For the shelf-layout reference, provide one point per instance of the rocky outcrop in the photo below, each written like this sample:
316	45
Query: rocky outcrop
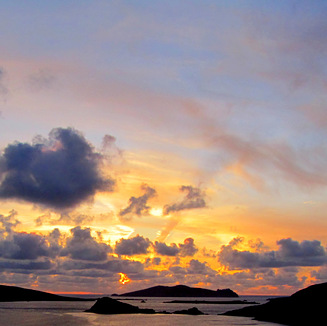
305	307
180	291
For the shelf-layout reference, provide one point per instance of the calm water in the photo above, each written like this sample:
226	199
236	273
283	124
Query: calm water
72	314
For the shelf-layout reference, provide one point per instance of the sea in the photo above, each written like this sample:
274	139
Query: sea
72	313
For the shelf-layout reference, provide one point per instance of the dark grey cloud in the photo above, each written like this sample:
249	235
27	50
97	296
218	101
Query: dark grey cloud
195	198
133	246
84	247
60	172
138	205
306	249
24	246
187	248
196	267
290	253
26	266
162	249
55	240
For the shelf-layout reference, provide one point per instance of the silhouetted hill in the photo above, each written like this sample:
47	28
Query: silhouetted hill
179	291
14	293
305	307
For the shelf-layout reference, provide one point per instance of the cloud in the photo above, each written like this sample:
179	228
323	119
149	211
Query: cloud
109	146
194	270
26	266
196	267
187	248
162	249
40	80
133	246
254	160
113	266
61	172
75	218
3	87
290	249
193	199
290	253
84	247
138	205
8	223
24	246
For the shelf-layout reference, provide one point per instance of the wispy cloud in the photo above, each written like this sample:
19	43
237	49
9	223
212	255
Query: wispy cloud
194	198
138	205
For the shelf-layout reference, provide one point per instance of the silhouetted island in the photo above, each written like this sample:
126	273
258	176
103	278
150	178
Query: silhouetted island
213	302
14	293
179	291
192	311
305	307
109	306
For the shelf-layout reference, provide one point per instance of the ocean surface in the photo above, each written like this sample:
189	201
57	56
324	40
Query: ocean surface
42	313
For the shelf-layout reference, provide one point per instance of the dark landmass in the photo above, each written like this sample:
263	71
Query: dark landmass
305	307
109	306
179	291
14	293
131	299
212	302
192	311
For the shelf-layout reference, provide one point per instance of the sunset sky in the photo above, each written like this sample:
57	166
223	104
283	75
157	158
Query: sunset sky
163	142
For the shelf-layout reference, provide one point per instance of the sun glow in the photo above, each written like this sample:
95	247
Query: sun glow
124	278
156	211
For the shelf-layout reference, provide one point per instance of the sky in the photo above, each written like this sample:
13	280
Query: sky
163	142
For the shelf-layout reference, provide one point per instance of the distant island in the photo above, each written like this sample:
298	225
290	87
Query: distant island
213	302
179	291
109	306
14	293
305	307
